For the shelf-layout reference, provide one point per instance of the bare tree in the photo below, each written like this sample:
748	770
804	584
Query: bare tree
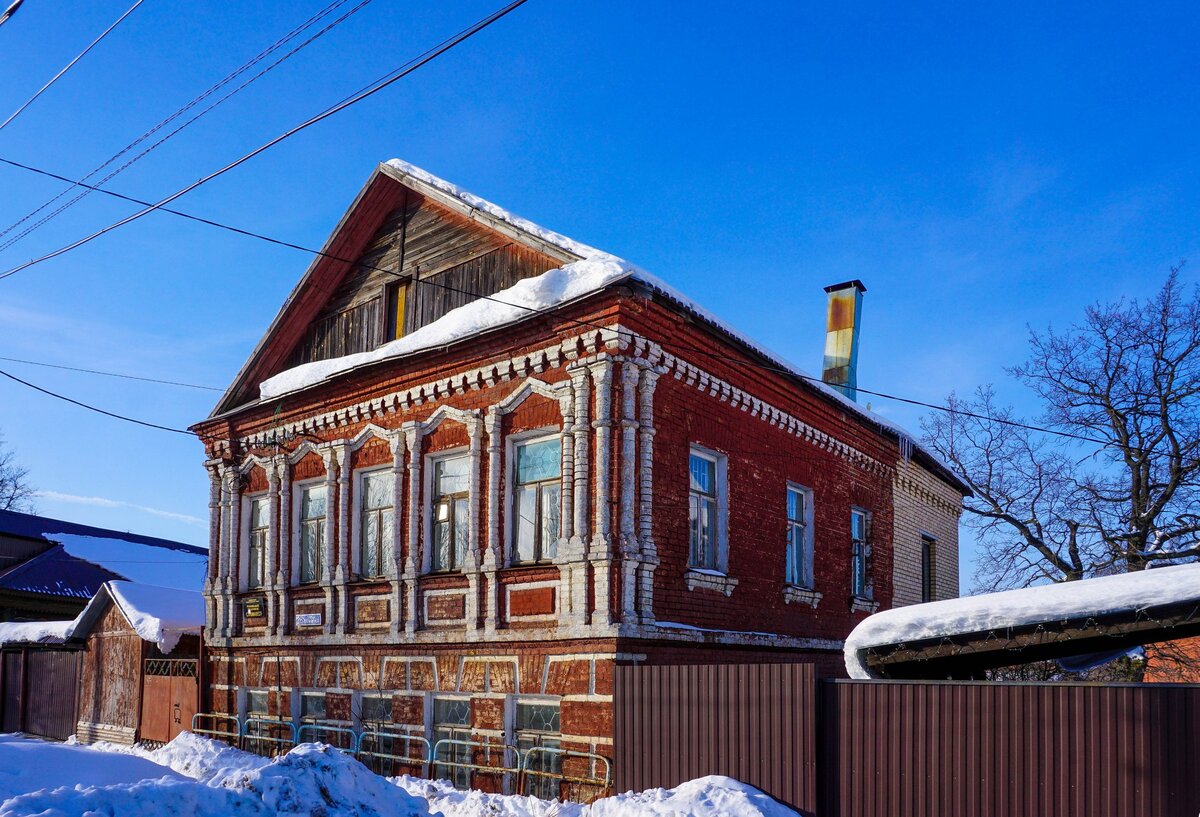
1122	493
16	494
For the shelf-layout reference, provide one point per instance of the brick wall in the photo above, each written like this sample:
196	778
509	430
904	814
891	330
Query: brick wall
925	507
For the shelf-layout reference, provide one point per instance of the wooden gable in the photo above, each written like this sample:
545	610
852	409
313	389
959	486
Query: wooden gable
404	255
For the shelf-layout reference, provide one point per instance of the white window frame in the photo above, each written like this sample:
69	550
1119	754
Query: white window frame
510	491
867	589
721	462
298	489
427	505
808	545
386	557
244	556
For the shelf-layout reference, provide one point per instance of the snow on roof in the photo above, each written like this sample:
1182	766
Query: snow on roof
31	632
55	572
160	615
1016	608
596	271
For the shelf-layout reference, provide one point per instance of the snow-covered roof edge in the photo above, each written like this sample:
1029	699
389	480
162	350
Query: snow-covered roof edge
160	615
30	632
1027	606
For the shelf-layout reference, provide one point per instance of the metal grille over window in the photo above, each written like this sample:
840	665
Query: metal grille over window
538	726
799	551
537	497
376	523
312	532
452	721
451	520
860	552
702	512
260	523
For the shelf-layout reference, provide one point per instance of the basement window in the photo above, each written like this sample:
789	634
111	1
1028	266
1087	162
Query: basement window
538	736
256	703
312	706
376	709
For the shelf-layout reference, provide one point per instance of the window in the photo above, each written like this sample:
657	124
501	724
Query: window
928	561
860	553
312	706
451	519
799	537
538	726
705	501
396	296
260	524
376	709
452	721
536	516
375	521
312	532
256	702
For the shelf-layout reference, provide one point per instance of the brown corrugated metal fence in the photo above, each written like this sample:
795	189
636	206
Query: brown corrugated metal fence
40	691
926	749
754	722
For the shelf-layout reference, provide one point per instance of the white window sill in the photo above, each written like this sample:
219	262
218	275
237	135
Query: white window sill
801	595
709	580
861	605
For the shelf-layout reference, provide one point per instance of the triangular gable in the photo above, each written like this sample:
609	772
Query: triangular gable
393	187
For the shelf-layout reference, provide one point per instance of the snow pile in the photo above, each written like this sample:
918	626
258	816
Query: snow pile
159	614
1016	608
31	631
148	798
193	756
712	796
137	561
550	289
28	765
451	802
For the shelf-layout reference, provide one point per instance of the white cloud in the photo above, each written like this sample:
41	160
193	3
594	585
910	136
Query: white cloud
104	502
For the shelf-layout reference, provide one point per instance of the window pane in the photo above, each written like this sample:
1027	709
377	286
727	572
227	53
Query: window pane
550	520
312	502
311	534
452	476
312	706
538	717
526	523
376	708
858	526
441	542
259	513
256	702
539	461
370	545
462	528
377	490
452	711
795	505
703	474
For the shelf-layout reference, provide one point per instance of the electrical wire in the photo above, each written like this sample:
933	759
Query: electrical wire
275	46
110	374
69	65
394	76
550	310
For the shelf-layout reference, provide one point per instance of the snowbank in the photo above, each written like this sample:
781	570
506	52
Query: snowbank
193	756
443	798
1014	608
31	631
159	614
712	796
27	765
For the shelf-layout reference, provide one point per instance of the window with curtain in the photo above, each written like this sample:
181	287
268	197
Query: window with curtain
536	511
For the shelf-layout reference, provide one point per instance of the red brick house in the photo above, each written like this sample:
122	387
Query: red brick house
472	465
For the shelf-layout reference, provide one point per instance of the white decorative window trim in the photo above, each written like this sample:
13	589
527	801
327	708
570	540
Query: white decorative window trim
801	595
709	580
861	605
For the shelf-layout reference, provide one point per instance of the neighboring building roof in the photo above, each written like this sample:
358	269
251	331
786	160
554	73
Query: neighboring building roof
111	554
160	615
34	632
55	572
1055	621
586	272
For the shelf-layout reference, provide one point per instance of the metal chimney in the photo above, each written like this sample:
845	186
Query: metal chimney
841	337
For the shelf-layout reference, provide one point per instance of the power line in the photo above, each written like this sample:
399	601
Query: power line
12	9
279	43
110	374
374	88
493	299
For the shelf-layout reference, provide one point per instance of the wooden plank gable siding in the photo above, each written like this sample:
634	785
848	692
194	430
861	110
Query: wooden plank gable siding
420	239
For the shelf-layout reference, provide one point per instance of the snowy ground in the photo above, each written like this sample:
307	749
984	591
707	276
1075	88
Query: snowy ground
195	777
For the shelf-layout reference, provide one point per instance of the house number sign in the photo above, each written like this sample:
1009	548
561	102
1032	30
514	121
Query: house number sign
308	619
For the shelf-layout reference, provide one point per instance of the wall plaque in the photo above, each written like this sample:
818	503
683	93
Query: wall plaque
308	619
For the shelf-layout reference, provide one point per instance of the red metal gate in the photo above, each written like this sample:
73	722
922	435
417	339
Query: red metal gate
169	698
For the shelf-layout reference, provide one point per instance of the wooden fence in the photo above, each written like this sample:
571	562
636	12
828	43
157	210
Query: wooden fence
921	748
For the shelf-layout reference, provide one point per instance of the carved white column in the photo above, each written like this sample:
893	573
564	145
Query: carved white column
582	433
234	551
630	554
394	565
211	589
566	405
412	433
273	523
493	558
327	557
222	585
573	570
646	494
344	569
471	566
600	552
283	571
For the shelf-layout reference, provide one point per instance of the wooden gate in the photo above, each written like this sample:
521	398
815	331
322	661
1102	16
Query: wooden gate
169	698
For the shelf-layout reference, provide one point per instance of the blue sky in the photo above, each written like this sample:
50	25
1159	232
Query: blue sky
980	167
